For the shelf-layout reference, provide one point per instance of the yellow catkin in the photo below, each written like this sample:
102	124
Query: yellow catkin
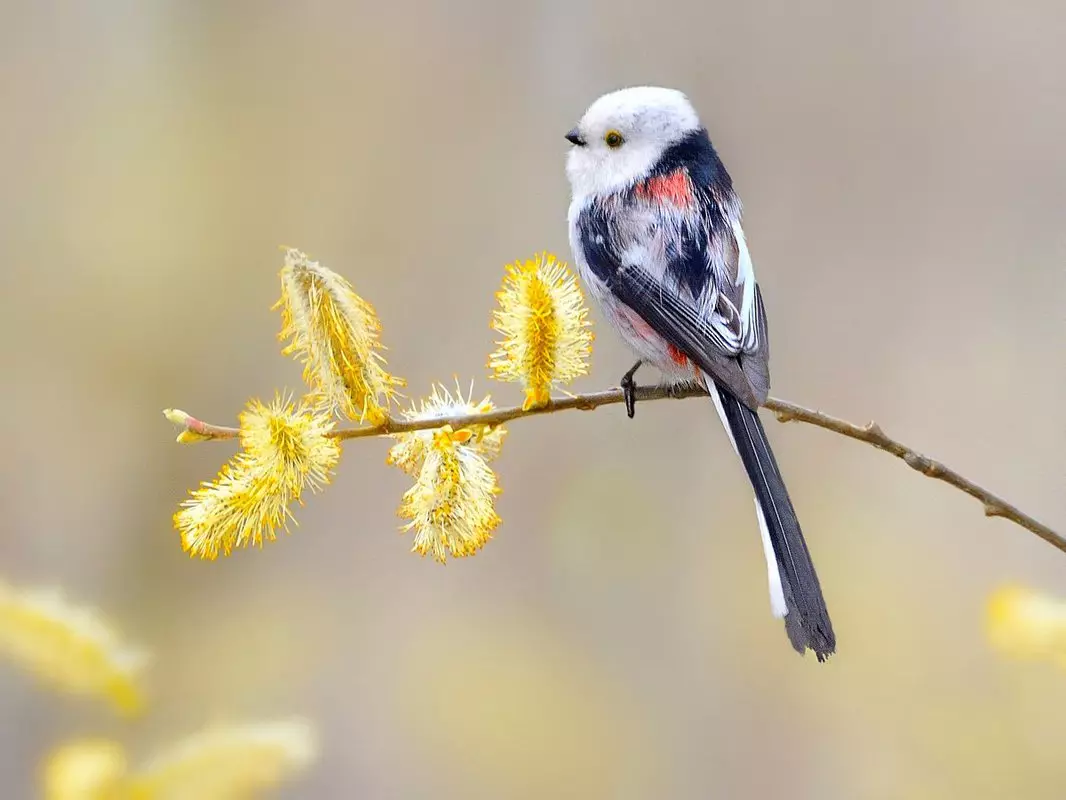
221	763
1024	624
287	449
409	452
70	647
335	334
241	506
292	442
90	769
451	507
544	322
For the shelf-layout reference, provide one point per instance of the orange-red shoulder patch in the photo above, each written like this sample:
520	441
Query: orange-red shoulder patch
677	356
674	188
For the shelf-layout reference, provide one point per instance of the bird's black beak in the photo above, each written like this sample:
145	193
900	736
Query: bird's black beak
574	137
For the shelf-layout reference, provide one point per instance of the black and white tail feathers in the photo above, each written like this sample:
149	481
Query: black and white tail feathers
795	592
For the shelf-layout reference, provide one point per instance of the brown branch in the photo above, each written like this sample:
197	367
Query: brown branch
872	434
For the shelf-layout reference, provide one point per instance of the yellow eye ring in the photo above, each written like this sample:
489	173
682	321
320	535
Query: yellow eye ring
613	139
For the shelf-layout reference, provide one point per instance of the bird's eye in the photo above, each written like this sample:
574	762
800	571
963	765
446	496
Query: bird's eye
613	139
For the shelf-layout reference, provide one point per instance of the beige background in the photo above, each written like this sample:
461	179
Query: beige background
905	187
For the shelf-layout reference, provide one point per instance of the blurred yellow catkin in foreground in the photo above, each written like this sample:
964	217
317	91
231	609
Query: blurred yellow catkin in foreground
1025	624
544	322
220	763
90	769
70	647
286	449
227	762
334	332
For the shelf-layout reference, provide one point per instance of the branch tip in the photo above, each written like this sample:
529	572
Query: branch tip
177	416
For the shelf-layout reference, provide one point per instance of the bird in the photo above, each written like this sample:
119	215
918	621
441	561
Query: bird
655	229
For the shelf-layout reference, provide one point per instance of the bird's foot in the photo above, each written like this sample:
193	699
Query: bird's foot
629	390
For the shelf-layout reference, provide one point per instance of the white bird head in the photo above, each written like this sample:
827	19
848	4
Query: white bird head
623	135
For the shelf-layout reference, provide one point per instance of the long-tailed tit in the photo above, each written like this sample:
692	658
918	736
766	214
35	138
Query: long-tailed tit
655	230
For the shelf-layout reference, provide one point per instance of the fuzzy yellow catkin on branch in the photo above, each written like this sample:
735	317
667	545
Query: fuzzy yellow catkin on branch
451	507
544	322
409	452
1025	624
335	334
285	450
70	647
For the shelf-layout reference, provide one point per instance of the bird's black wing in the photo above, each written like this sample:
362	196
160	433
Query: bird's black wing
677	270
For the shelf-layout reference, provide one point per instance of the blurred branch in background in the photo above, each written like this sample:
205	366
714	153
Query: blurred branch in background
871	433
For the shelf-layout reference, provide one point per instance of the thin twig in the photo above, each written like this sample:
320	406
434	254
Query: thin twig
785	411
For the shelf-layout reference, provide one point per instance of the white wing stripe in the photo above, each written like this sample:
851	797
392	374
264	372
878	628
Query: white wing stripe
749	323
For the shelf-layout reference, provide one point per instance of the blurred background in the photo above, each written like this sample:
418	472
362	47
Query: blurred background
905	189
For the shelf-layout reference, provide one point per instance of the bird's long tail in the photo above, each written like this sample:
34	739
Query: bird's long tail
795	593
